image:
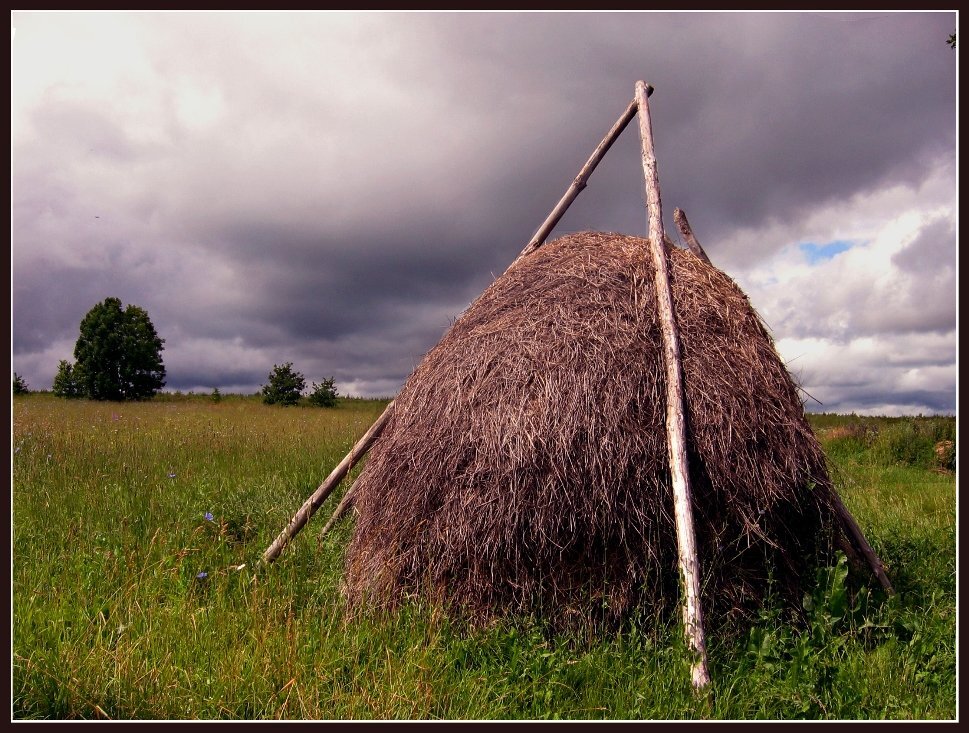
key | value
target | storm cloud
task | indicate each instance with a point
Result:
(333, 189)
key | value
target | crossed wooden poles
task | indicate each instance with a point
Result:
(675, 420)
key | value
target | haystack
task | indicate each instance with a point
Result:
(526, 462)
(525, 465)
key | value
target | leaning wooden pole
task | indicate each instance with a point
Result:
(854, 533)
(580, 181)
(340, 510)
(675, 419)
(683, 224)
(329, 484)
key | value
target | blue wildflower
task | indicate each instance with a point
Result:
(171, 475)
(209, 517)
(202, 575)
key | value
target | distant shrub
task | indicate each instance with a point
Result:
(324, 394)
(19, 385)
(925, 442)
(901, 444)
(216, 395)
(920, 441)
(66, 382)
(284, 386)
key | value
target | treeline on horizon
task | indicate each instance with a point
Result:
(818, 419)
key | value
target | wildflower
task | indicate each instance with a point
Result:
(171, 475)
(202, 576)
(209, 517)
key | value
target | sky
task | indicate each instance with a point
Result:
(334, 189)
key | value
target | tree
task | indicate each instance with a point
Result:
(65, 381)
(284, 387)
(118, 354)
(324, 395)
(951, 40)
(19, 385)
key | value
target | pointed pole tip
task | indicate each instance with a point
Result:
(648, 87)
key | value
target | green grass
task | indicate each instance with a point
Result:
(110, 618)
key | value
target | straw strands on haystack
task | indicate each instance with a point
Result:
(606, 429)
(525, 466)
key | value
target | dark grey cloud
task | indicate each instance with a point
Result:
(862, 398)
(932, 253)
(754, 114)
(333, 189)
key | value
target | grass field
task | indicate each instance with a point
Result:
(137, 528)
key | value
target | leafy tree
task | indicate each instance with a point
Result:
(19, 385)
(284, 387)
(324, 395)
(65, 381)
(118, 354)
(216, 395)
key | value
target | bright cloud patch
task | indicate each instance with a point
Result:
(819, 252)
(867, 321)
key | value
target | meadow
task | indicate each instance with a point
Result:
(137, 594)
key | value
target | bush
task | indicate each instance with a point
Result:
(923, 442)
(19, 385)
(324, 394)
(66, 383)
(284, 387)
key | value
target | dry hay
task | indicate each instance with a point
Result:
(945, 456)
(525, 466)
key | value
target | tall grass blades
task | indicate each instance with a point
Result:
(136, 595)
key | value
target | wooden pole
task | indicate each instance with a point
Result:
(687, 233)
(580, 181)
(675, 421)
(538, 239)
(339, 511)
(326, 488)
(854, 533)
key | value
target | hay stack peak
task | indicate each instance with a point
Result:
(525, 469)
